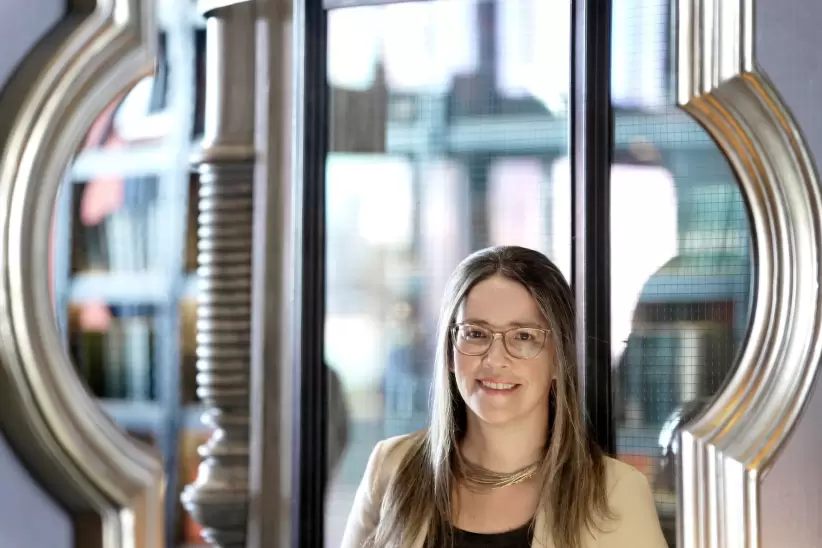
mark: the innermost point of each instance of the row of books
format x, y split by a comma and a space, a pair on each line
118, 362
115, 350
117, 225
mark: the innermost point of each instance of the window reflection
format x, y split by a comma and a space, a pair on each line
517, 211
640, 243
680, 255
448, 134
448, 119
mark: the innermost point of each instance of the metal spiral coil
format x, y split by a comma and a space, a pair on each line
218, 499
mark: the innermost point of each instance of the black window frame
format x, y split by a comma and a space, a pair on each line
309, 432
592, 149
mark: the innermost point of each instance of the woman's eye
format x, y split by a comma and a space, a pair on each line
524, 336
474, 335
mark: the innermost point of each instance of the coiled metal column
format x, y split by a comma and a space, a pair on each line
218, 499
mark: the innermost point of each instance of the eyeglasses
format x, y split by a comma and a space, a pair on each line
521, 342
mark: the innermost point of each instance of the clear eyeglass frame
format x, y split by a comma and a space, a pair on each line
455, 338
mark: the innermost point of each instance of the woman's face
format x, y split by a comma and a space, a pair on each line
497, 387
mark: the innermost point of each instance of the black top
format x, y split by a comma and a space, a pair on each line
515, 538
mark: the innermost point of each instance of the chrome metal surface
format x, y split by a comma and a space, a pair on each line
276, 256
730, 447
52, 421
218, 498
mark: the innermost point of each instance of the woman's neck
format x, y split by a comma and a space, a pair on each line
504, 448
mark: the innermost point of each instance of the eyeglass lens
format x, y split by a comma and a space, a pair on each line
520, 342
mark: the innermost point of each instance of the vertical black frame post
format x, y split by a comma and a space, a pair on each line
311, 148
591, 151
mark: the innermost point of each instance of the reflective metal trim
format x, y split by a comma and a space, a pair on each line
218, 497
727, 450
112, 485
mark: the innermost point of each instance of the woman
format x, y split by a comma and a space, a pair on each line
507, 461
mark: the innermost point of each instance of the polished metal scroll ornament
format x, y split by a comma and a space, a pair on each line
113, 486
218, 499
726, 450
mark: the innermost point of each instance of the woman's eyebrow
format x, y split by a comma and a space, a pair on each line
510, 325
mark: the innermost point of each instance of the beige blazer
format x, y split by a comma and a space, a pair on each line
629, 496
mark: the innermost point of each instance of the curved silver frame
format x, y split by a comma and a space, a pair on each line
113, 486
727, 450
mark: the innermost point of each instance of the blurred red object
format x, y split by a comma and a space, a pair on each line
103, 195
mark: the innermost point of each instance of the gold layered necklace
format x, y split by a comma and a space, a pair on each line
482, 477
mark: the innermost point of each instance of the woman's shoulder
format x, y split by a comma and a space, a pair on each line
388, 456
386, 459
620, 475
630, 495
631, 500
389, 452
399, 442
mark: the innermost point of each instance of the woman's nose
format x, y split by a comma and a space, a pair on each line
497, 353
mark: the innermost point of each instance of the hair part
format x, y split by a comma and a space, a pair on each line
573, 468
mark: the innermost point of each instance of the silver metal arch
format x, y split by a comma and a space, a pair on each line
730, 447
113, 486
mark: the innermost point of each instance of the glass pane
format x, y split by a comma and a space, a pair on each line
680, 254
447, 121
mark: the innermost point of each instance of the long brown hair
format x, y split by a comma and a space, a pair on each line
419, 495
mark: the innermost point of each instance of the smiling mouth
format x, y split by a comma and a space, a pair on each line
497, 386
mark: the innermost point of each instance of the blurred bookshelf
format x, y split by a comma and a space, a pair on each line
124, 257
